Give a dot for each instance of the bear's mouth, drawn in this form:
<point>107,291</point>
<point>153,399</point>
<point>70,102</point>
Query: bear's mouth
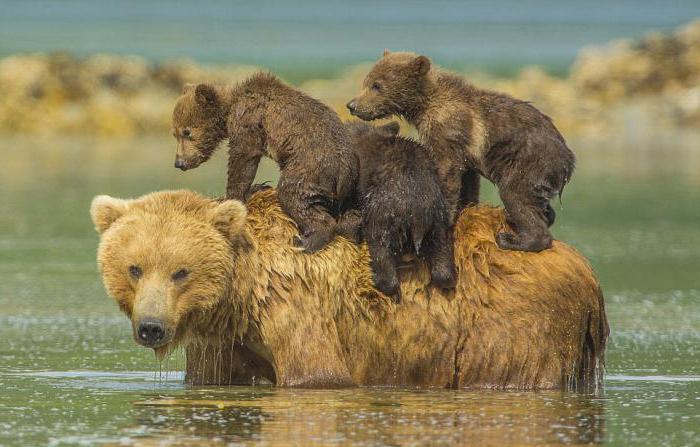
<point>368,116</point>
<point>161,352</point>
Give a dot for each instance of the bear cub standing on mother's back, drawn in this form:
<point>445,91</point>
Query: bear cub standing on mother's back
<point>402,207</point>
<point>472,131</point>
<point>262,116</point>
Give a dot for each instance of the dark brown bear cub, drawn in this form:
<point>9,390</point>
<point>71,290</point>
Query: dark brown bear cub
<point>264,117</point>
<point>402,207</point>
<point>471,131</point>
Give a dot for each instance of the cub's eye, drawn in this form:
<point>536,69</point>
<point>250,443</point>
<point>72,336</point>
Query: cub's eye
<point>376,87</point>
<point>186,133</point>
<point>180,274</point>
<point>135,271</point>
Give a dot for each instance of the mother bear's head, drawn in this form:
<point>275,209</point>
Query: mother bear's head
<point>167,259</point>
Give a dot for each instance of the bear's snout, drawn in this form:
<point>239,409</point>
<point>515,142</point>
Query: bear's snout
<point>150,332</point>
<point>180,164</point>
<point>358,107</point>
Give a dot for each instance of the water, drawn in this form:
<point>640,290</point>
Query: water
<point>70,373</point>
<point>313,38</point>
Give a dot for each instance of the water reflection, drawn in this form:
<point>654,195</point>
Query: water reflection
<point>372,416</point>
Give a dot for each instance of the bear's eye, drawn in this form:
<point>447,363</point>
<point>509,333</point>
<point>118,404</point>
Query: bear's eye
<point>135,271</point>
<point>376,87</point>
<point>186,133</point>
<point>180,274</point>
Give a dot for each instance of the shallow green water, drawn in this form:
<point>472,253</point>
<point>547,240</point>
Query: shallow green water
<point>70,373</point>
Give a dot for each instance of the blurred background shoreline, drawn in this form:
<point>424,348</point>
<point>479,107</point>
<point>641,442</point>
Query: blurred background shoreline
<point>630,87</point>
<point>629,108</point>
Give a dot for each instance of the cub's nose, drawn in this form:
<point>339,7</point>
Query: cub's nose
<point>150,331</point>
<point>180,164</point>
<point>352,105</point>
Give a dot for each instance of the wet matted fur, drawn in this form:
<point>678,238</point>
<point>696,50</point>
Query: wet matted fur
<point>516,320</point>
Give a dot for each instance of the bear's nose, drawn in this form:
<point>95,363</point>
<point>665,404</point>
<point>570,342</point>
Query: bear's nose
<point>180,164</point>
<point>352,105</point>
<point>150,331</point>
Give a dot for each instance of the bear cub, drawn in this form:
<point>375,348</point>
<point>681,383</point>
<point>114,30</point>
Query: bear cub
<point>401,206</point>
<point>470,131</point>
<point>262,116</point>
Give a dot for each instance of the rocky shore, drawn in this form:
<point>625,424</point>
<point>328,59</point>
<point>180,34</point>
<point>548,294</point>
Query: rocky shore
<point>625,86</point>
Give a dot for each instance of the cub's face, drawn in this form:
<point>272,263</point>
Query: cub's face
<point>166,259</point>
<point>392,87</point>
<point>198,125</point>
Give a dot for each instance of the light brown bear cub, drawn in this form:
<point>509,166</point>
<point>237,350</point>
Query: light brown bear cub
<point>264,117</point>
<point>472,131</point>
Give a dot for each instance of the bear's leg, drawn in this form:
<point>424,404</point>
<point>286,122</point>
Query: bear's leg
<point>310,211</point>
<point>384,263</point>
<point>451,177</point>
<point>439,252</point>
<point>469,191</point>
<point>525,210</point>
<point>225,363</point>
<point>303,342</point>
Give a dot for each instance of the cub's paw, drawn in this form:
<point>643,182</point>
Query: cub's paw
<point>507,241</point>
<point>389,288</point>
<point>312,242</point>
<point>443,280</point>
<point>257,188</point>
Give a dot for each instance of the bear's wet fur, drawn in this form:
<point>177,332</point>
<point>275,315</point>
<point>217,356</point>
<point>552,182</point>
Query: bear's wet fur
<point>472,131</point>
<point>255,307</point>
<point>402,207</point>
<point>262,116</point>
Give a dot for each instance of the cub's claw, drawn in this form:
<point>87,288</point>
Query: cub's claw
<point>257,188</point>
<point>507,241</point>
<point>443,281</point>
<point>312,242</point>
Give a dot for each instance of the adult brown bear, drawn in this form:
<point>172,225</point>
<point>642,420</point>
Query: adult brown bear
<point>228,283</point>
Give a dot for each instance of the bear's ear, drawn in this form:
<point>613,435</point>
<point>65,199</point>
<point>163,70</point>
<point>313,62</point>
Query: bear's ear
<point>205,94</point>
<point>104,210</point>
<point>422,64</point>
<point>229,218</point>
<point>386,52</point>
<point>188,87</point>
<point>389,130</point>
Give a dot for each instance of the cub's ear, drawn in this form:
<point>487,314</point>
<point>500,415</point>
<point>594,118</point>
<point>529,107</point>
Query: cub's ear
<point>229,218</point>
<point>422,64</point>
<point>105,210</point>
<point>205,94</point>
<point>188,87</point>
<point>386,52</point>
<point>389,130</point>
